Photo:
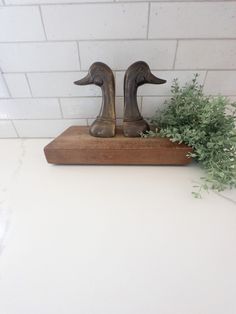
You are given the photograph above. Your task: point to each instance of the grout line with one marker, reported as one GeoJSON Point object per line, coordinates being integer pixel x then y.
{"type": "Point", "coordinates": [148, 18]}
{"type": "Point", "coordinates": [123, 71]}
{"type": "Point", "coordinates": [204, 80]}
{"type": "Point", "coordinates": [176, 49]}
{"type": "Point", "coordinates": [27, 80]}
{"type": "Point", "coordinates": [189, 70]}
{"type": "Point", "coordinates": [15, 128]}
{"type": "Point", "coordinates": [78, 47]}
{"type": "Point", "coordinates": [45, 119]}
{"type": "Point", "coordinates": [82, 97]}
{"type": "Point", "coordinates": [42, 21]}
{"type": "Point", "coordinates": [59, 101]}
{"type": "Point", "coordinates": [6, 85]}
{"type": "Point", "coordinates": [123, 39]}
{"type": "Point", "coordinates": [114, 2]}
{"type": "Point", "coordinates": [44, 72]}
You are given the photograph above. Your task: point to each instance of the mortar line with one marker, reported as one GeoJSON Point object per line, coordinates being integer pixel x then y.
{"type": "Point", "coordinates": [5, 83]}
{"type": "Point", "coordinates": [204, 80]}
{"type": "Point", "coordinates": [42, 21]}
{"type": "Point", "coordinates": [148, 18]}
{"type": "Point", "coordinates": [113, 2]}
{"type": "Point", "coordinates": [88, 96]}
{"type": "Point", "coordinates": [177, 46]}
{"type": "Point", "coordinates": [78, 47]}
{"type": "Point", "coordinates": [121, 39]}
{"type": "Point", "coordinates": [27, 80]}
{"type": "Point", "coordinates": [48, 119]}
{"type": "Point", "coordinates": [122, 71]}
{"type": "Point", "coordinates": [15, 128]}
{"type": "Point", "coordinates": [59, 101]}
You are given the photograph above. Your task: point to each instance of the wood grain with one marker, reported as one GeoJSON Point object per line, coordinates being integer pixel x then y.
{"type": "Point", "coordinates": [76, 146]}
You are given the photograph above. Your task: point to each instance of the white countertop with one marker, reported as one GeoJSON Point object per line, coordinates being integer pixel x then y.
{"type": "Point", "coordinates": [111, 239]}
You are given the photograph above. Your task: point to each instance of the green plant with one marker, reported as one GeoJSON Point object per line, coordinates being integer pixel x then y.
{"type": "Point", "coordinates": [203, 123]}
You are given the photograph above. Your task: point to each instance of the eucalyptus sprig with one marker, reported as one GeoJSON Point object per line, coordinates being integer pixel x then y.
{"type": "Point", "coordinates": [205, 123]}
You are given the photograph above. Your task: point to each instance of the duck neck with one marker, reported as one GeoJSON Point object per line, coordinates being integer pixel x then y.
{"type": "Point", "coordinates": [131, 110]}
{"type": "Point", "coordinates": [108, 101]}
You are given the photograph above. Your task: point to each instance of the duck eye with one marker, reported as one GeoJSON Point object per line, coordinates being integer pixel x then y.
{"type": "Point", "coordinates": [98, 80]}
{"type": "Point", "coordinates": [140, 79]}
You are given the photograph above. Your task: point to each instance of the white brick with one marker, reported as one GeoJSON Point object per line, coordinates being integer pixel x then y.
{"type": "Point", "coordinates": [20, 24]}
{"type": "Point", "coordinates": [120, 54]}
{"type": "Point", "coordinates": [17, 85]}
{"type": "Point", "coordinates": [44, 128]}
{"type": "Point", "coordinates": [89, 107]}
{"type": "Point", "coordinates": [3, 89]}
{"type": "Point", "coordinates": [220, 82]}
{"type": "Point", "coordinates": [29, 109]}
{"type": "Point", "coordinates": [120, 106]}
{"type": "Point", "coordinates": [23, 57]}
{"type": "Point", "coordinates": [193, 20]}
{"type": "Point", "coordinates": [60, 85]}
{"type": "Point", "coordinates": [96, 21]}
{"type": "Point", "coordinates": [7, 130]}
{"type": "Point", "coordinates": [151, 104]}
{"type": "Point", "coordinates": [19, 2]}
{"type": "Point", "coordinates": [202, 54]}
{"type": "Point", "coordinates": [163, 89]}
{"type": "Point", "coordinates": [81, 107]}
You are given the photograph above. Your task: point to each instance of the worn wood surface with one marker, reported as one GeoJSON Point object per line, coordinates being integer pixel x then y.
{"type": "Point", "coordinates": [76, 146]}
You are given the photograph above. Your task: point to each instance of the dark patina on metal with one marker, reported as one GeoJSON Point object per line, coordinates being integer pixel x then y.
{"type": "Point", "coordinates": [136, 75]}
{"type": "Point", "coordinates": [101, 75]}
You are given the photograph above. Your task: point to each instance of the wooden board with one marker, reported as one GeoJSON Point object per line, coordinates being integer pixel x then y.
{"type": "Point", "coordinates": [76, 146]}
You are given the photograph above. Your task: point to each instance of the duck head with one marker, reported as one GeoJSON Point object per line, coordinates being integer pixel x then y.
{"type": "Point", "coordinates": [136, 75]}
{"type": "Point", "coordinates": [99, 73]}
{"type": "Point", "coordinates": [140, 73]}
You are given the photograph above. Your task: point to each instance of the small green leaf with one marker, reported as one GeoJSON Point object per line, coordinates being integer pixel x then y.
{"type": "Point", "coordinates": [201, 122]}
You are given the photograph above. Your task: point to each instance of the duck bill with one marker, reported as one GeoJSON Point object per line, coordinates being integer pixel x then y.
{"type": "Point", "coordinates": [84, 81]}
{"type": "Point", "coordinates": [152, 79]}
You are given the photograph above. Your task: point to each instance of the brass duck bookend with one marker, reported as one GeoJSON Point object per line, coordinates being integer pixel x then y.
{"type": "Point", "coordinates": [136, 75]}
{"type": "Point", "coordinates": [101, 75]}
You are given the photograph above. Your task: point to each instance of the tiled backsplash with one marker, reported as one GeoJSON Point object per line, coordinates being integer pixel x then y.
{"type": "Point", "coordinates": [45, 45]}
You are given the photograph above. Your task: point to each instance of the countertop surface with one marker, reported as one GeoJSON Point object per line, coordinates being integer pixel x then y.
{"type": "Point", "coordinates": [111, 239]}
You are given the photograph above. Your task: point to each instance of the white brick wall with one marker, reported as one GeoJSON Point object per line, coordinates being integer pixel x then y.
{"type": "Point", "coordinates": [96, 21]}
{"type": "Point", "coordinates": [193, 20]}
{"type": "Point", "coordinates": [31, 57]}
{"type": "Point", "coordinates": [60, 84]}
{"type": "Point", "coordinates": [4, 93]}
{"type": "Point", "coordinates": [21, 24]}
{"type": "Point", "coordinates": [45, 45]}
{"type": "Point", "coordinates": [17, 85]}
{"type": "Point", "coordinates": [29, 108]}
{"type": "Point", "coordinates": [120, 54]}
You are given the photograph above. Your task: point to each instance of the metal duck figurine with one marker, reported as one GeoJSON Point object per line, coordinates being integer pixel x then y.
{"type": "Point", "coordinates": [136, 75]}
{"type": "Point", "coordinates": [101, 75]}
